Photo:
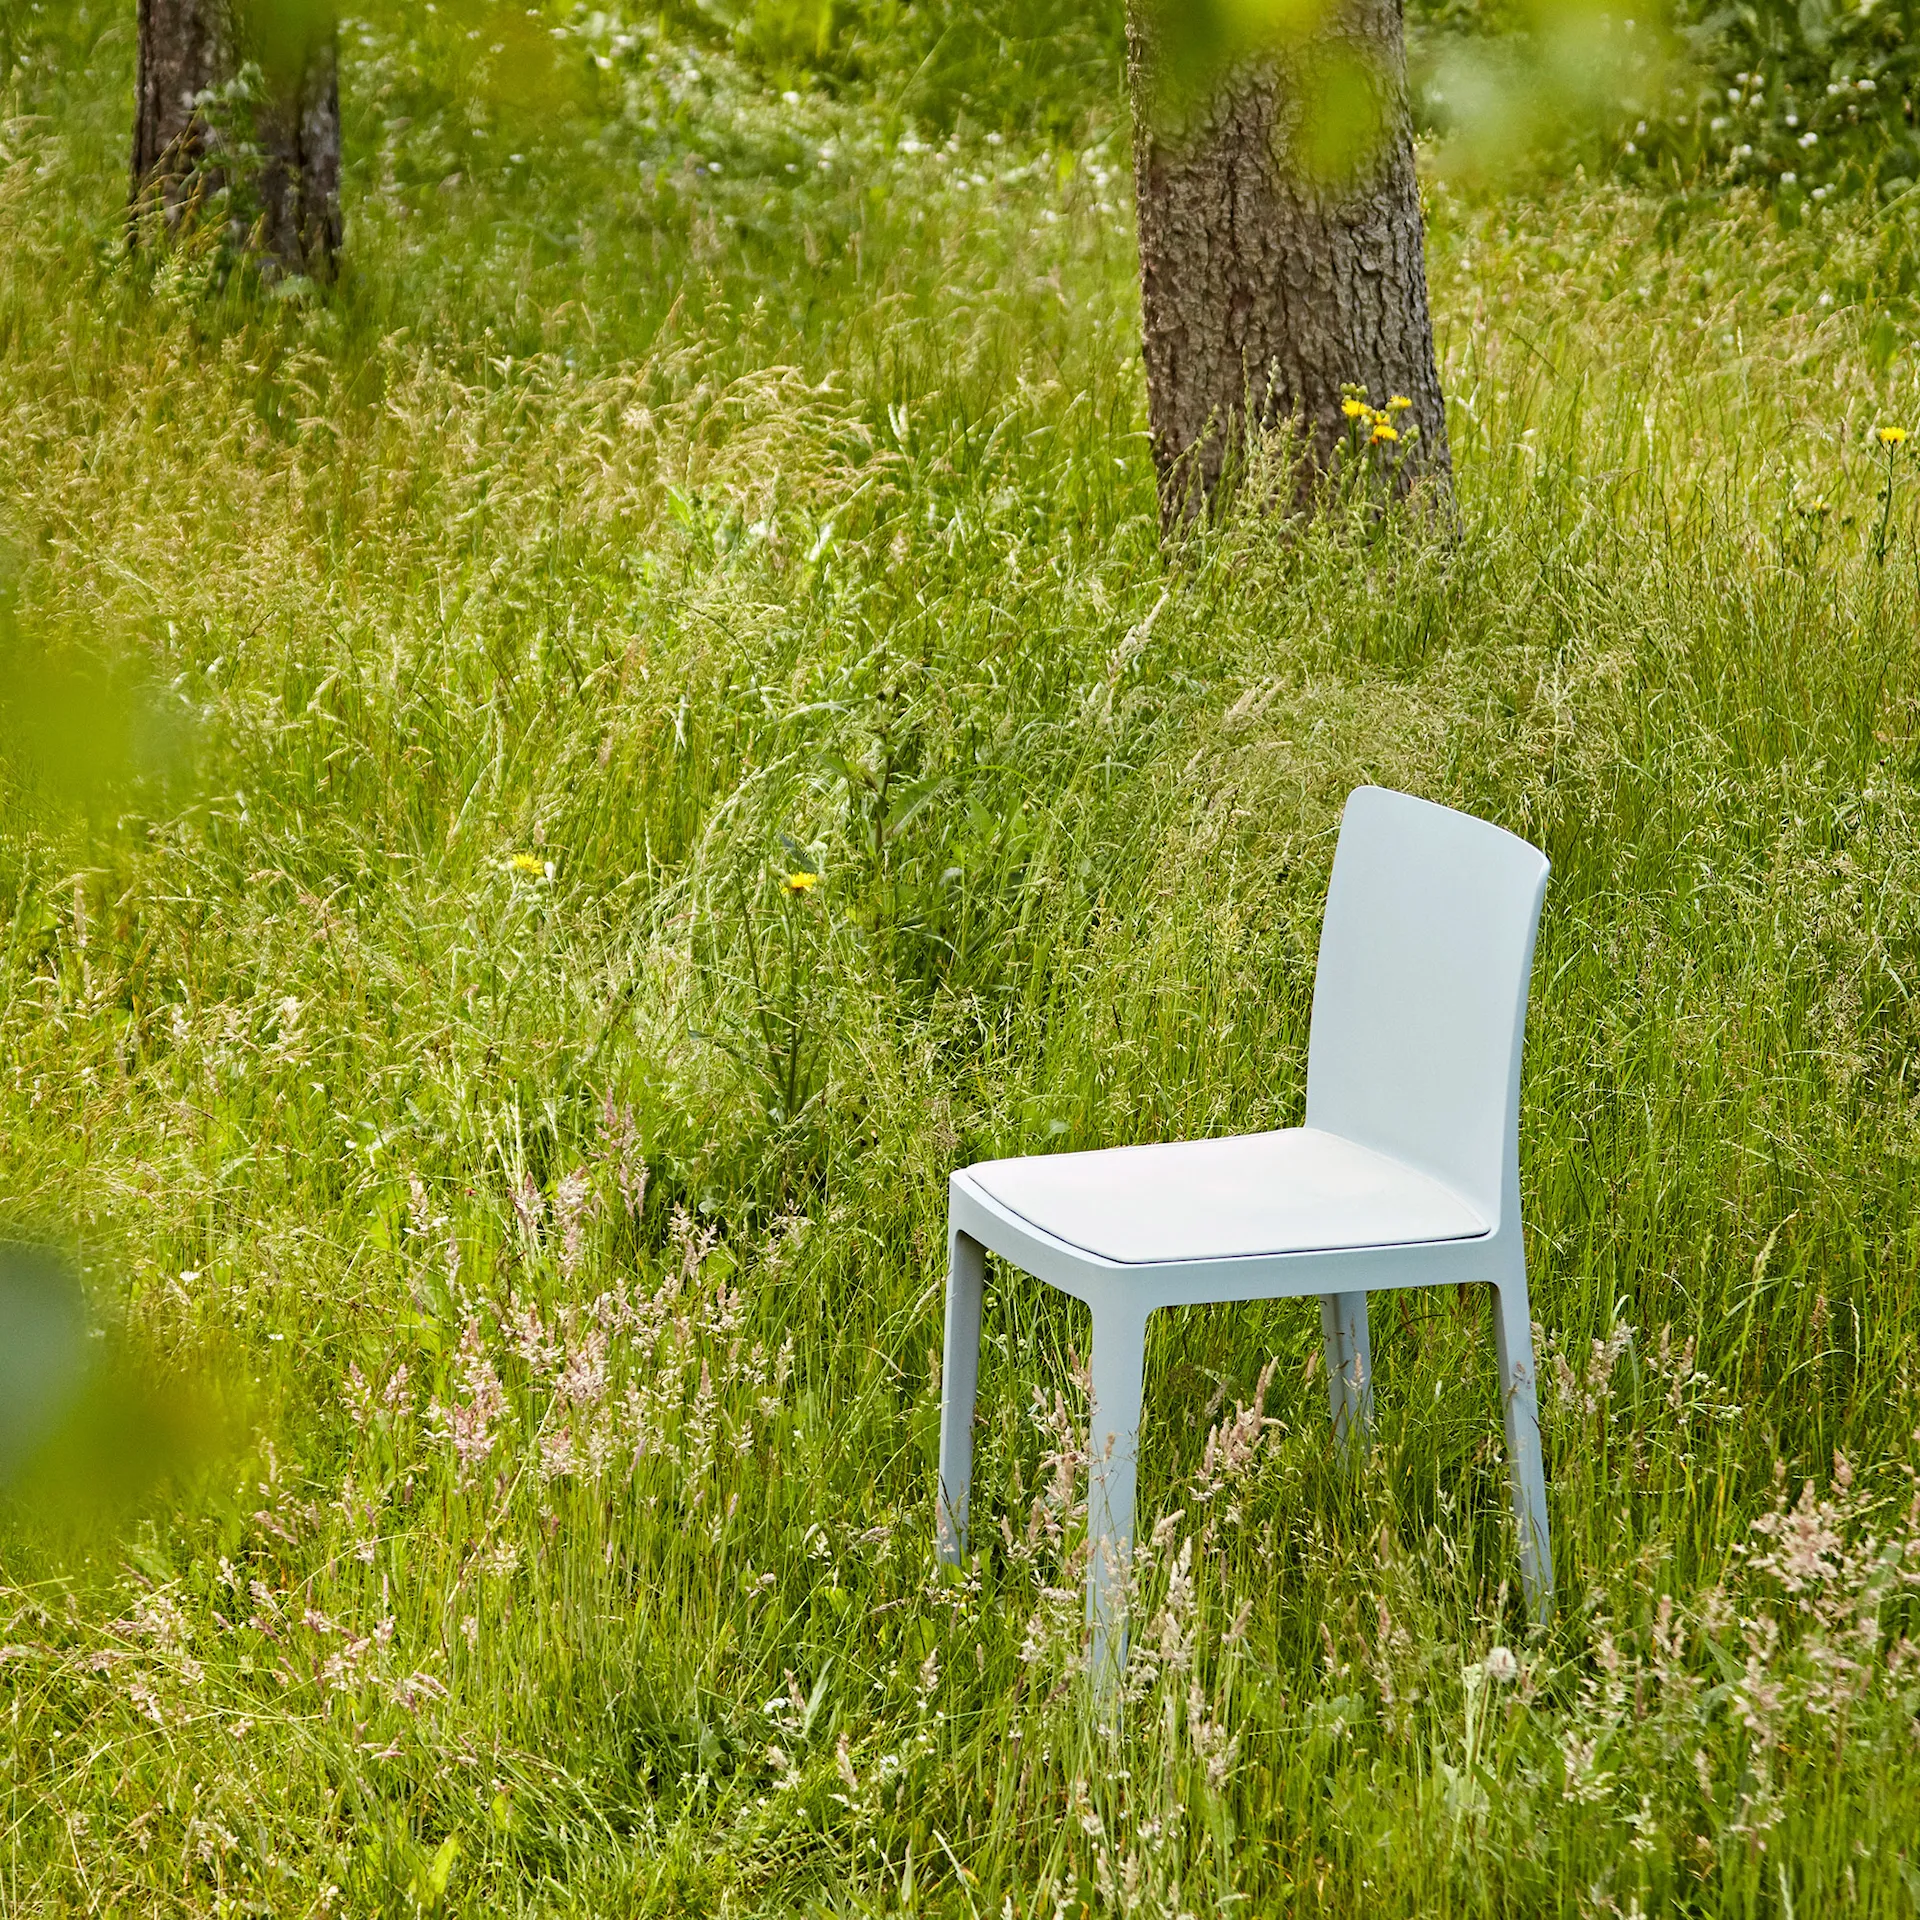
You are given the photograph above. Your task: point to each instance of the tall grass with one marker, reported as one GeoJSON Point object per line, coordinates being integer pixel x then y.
{"type": "Point", "coordinates": [426, 1053]}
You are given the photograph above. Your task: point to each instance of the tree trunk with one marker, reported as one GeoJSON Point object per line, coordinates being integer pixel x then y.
{"type": "Point", "coordinates": [1282, 267]}
{"type": "Point", "coordinates": [238, 105]}
{"type": "Point", "coordinates": [185, 52]}
{"type": "Point", "coordinates": [297, 131]}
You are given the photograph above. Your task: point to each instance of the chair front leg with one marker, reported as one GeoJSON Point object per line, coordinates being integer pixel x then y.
{"type": "Point", "coordinates": [1343, 1323]}
{"type": "Point", "coordinates": [959, 1382]}
{"type": "Point", "coordinates": [1119, 1368]}
{"type": "Point", "coordinates": [1513, 1340]}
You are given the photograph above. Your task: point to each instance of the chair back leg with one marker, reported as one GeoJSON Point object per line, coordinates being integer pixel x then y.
{"type": "Point", "coordinates": [1343, 1323]}
{"type": "Point", "coordinates": [1519, 1397]}
{"type": "Point", "coordinates": [959, 1382]}
{"type": "Point", "coordinates": [1119, 1368]}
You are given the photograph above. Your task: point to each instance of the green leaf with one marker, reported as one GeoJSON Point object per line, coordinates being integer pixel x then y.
{"type": "Point", "coordinates": [430, 1881]}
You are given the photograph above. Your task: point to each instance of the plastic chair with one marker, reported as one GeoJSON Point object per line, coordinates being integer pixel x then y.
{"type": "Point", "coordinates": [1406, 1174]}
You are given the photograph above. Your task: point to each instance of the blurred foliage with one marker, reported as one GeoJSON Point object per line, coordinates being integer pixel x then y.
{"type": "Point", "coordinates": [42, 1347]}
{"type": "Point", "coordinates": [1030, 63]}
{"type": "Point", "coordinates": [1816, 96]}
{"type": "Point", "coordinates": [1195, 40]}
{"type": "Point", "coordinates": [80, 730]}
{"type": "Point", "coordinates": [1535, 85]}
{"type": "Point", "coordinates": [92, 1424]}
{"type": "Point", "coordinates": [1804, 99]}
{"type": "Point", "coordinates": [282, 34]}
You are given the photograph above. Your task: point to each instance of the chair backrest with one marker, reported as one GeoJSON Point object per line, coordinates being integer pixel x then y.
{"type": "Point", "coordinates": [1420, 1001]}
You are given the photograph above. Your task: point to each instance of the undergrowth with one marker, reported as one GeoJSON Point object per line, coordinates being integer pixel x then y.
{"type": "Point", "coordinates": [532, 1194]}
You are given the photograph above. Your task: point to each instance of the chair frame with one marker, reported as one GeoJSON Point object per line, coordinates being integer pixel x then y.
{"type": "Point", "coordinates": [1123, 1294]}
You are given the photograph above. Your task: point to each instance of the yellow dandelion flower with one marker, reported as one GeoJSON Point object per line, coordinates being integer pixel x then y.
{"type": "Point", "coordinates": [1892, 436]}
{"type": "Point", "coordinates": [1353, 408]}
{"type": "Point", "coordinates": [527, 864]}
{"type": "Point", "coordinates": [799, 882]}
{"type": "Point", "coordinates": [1399, 403]}
{"type": "Point", "coordinates": [1383, 431]}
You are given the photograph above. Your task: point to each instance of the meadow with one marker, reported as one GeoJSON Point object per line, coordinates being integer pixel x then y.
{"type": "Point", "coordinates": [511, 1205]}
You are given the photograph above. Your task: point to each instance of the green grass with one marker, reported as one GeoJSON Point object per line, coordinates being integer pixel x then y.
{"type": "Point", "coordinates": [669, 533]}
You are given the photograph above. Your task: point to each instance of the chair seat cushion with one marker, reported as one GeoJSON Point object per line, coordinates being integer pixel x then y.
{"type": "Point", "coordinates": [1295, 1191]}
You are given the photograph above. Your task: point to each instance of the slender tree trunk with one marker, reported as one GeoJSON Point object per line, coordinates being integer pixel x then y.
{"type": "Point", "coordinates": [186, 51]}
{"type": "Point", "coordinates": [1282, 263]}
{"type": "Point", "coordinates": [237, 102]}
{"type": "Point", "coordinates": [297, 131]}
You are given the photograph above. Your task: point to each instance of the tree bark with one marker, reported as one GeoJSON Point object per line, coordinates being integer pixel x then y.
{"type": "Point", "coordinates": [297, 132]}
{"type": "Point", "coordinates": [185, 52]}
{"type": "Point", "coordinates": [1282, 262]}
{"type": "Point", "coordinates": [237, 104]}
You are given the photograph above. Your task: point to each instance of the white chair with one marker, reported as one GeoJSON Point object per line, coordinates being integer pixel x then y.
{"type": "Point", "coordinates": [1406, 1174]}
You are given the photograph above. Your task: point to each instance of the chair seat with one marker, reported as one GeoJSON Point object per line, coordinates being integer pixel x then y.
{"type": "Point", "coordinates": [1296, 1191]}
